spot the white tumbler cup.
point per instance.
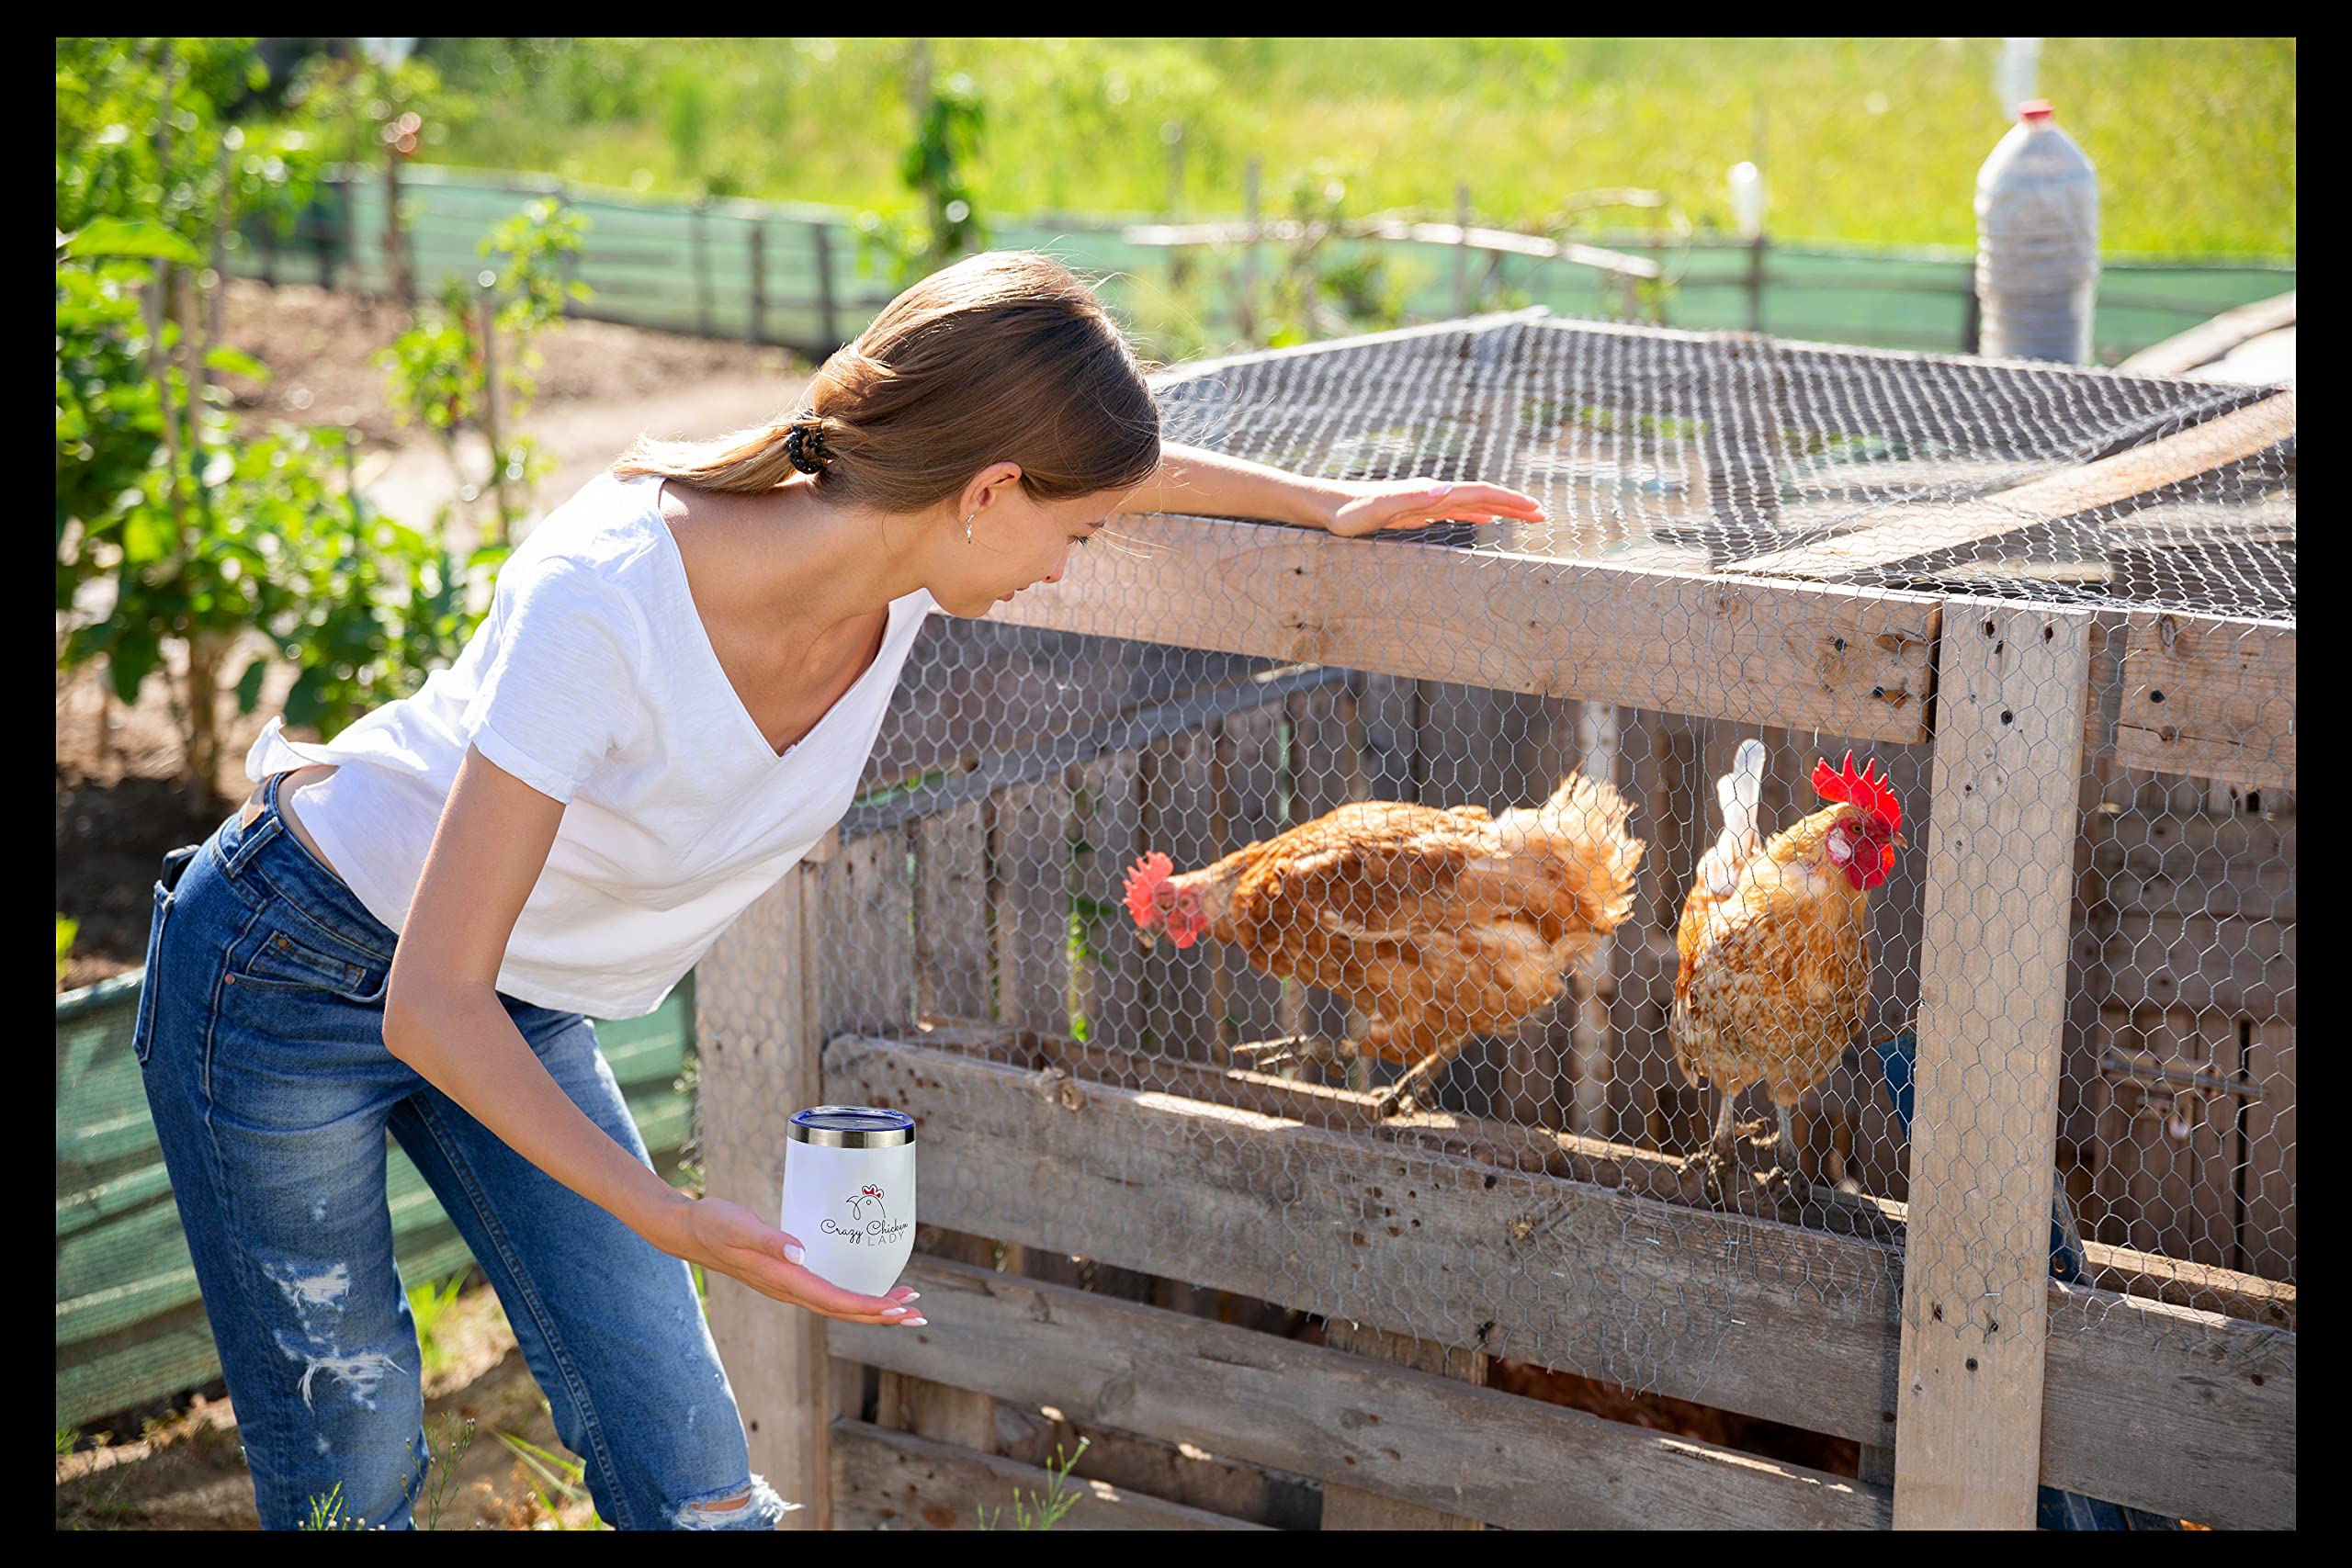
(849, 1193)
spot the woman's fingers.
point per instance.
(791, 1282)
(1462, 503)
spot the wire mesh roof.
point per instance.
(1735, 453)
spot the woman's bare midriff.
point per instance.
(286, 793)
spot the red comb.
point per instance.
(1868, 791)
(1143, 878)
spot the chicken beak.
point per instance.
(1901, 842)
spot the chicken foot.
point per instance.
(1867, 1218)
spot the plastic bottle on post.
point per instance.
(2037, 243)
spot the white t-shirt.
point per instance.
(593, 680)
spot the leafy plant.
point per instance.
(65, 930)
(326, 1514)
(949, 123)
(170, 528)
(1314, 293)
(428, 1303)
(1051, 1506)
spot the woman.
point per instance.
(672, 698)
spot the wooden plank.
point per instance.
(940, 1411)
(886, 1480)
(1417, 1438)
(2267, 1235)
(1922, 529)
(2242, 967)
(1817, 1315)
(2252, 893)
(755, 1026)
(1108, 825)
(2166, 1154)
(1391, 708)
(1349, 1507)
(2168, 1409)
(1052, 756)
(2212, 698)
(1250, 767)
(1498, 241)
(2011, 687)
(1625, 1167)
(865, 922)
(951, 912)
(1029, 876)
(1843, 660)
(1174, 1472)
(2209, 340)
(1326, 771)
(1020, 1153)
(2200, 849)
(1181, 821)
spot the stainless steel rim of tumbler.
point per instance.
(851, 1138)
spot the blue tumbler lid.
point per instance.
(851, 1126)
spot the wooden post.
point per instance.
(1179, 262)
(1245, 312)
(759, 285)
(2011, 688)
(347, 189)
(1461, 247)
(699, 228)
(1756, 283)
(830, 330)
(1972, 325)
(756, 1027)
(1347, 1509)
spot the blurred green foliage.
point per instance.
(171, 527)
(1863, 139)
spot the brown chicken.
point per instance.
(1437, 925)
(1775, 943)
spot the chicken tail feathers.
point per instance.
(1581, 828)
(1736, 793)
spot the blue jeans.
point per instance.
(261, 1040)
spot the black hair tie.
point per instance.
(805, 445)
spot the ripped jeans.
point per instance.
(260, 1038)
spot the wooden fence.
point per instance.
(1217, 1391)
(788, 273)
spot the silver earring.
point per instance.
(967, 528)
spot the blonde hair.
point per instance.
(1003, 356)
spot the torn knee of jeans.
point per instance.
(753, 1505)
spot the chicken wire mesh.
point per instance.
(1497, 1014)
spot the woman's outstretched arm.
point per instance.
(1211, 484)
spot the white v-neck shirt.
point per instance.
(593, 680)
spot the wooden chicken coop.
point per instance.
(2056, 1250)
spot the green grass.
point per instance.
(1864, 140)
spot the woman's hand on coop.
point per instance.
(731, 1240)
(1368, 506)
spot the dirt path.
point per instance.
(601, 385)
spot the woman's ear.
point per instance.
(990, 484)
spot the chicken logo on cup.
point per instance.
(878, 1228)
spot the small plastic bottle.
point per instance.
(2037, 243)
